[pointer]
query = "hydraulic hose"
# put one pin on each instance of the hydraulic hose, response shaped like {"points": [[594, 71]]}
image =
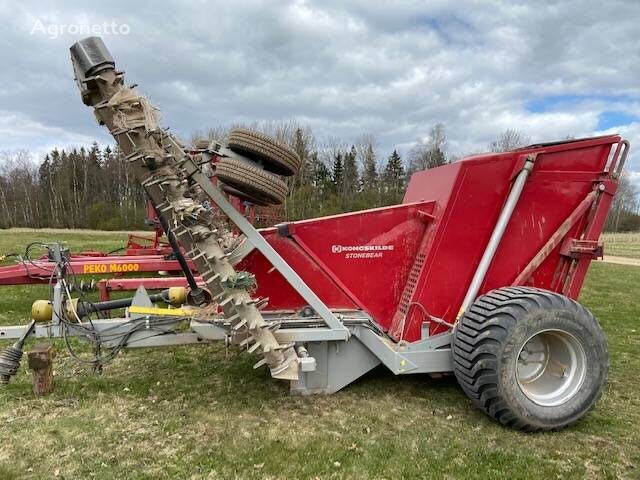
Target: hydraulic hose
{"points": [[197, 294]]}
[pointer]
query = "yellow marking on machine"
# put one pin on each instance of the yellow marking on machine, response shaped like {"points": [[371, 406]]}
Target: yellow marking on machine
{"points": [[175, 312]]}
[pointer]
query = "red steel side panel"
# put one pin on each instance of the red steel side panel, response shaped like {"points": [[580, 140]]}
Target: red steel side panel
{"points": [[272, 285], [356, 260], [558, 183], [463, 229], [561, 178], [407, 263]]}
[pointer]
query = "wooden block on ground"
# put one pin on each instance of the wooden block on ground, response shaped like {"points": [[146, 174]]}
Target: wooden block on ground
{"points": [[41, 366]]}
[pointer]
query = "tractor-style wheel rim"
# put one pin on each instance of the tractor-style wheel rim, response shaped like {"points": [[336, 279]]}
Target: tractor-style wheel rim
{"points": [[551, 367]]}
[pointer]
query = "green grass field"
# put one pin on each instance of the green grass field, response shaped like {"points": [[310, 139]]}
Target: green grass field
{"points": [[622, 244], [203, 412]]}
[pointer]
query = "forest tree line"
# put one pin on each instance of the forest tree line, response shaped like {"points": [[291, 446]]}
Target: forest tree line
{"points": [[95, 187]]}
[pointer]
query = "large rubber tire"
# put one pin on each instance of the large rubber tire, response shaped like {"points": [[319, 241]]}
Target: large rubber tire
{"points": [[253, 181], [490, 359], [276, 157]]}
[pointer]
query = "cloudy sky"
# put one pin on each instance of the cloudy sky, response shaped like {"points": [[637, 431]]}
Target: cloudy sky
{"points": [[392, 68]]}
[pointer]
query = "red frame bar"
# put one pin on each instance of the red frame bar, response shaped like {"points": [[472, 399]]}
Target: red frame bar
{"points": [[40, 271], [556, 238], [595, 225]]}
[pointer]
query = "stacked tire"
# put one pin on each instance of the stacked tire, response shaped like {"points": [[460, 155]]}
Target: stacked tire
{"points": [[258, 180]]}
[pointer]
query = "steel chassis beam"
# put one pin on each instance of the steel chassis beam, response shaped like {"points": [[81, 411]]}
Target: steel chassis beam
{"points": [[150, 338], [430, 355], [201, 331], [327, 362]]}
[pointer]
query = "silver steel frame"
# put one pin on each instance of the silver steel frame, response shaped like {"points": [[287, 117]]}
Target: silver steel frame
{"points": [[330, 363]]}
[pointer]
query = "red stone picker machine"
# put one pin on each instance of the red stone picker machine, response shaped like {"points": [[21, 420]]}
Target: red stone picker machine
{"points": [[475, 273]]}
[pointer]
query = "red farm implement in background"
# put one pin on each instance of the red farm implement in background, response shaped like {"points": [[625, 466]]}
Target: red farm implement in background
{"points": [[94, 264], [476, 273]]}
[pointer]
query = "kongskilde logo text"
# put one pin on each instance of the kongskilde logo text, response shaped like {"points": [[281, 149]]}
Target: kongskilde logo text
{"points": [[360, 248], [361, 251]]}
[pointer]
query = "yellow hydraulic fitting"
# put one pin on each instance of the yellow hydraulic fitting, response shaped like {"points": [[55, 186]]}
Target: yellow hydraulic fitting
{"points": [[71, 307], [177, 295], [42, 311]]}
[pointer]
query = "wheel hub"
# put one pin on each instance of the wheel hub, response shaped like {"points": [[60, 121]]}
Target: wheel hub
{"points": [[551, 367]]}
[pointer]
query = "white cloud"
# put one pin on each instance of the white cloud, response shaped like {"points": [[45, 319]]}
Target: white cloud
{"points": [[387, 68], [18, 131]]}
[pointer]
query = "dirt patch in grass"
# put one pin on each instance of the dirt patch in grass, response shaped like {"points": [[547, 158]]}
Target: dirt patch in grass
{"points": [[622, 260]]}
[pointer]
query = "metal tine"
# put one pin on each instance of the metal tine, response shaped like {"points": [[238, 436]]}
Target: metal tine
{"points": [[155, 181], [283, 346], [239, 325], [218, 296], [211, 273], [251, 324], [195, 257], [274, 326], [146, 180], [134, 156], [225, 301], [263, 302], [218, 258], [260, 363], [181, 230]]}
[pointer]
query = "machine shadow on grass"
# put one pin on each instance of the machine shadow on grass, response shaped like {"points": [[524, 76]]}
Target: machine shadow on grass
{"points": [[209, 370]]}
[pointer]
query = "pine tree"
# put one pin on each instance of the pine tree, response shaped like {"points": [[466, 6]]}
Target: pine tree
{"points": [[369, 171], [337, 175], [321, 180], [349, 180], [394, 179], [45, 193], [298, 205]]}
